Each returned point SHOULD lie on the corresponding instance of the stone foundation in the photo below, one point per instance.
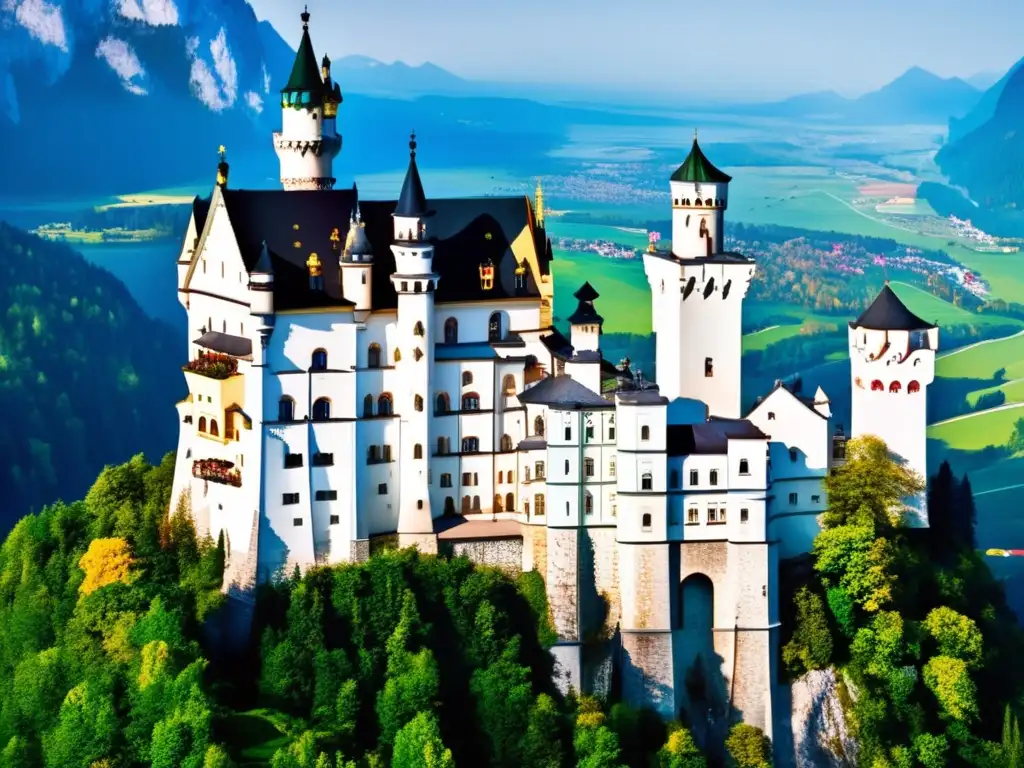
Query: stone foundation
(426, 543)
(647, 671)
(506, 554)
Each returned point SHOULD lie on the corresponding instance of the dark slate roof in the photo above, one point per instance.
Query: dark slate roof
(225, 343)
(585, 312)
(412, 201)
(698, 169)
(305, 74)
(711, 437)
(532, 443)
(563, 393)
(586, 292)
(888, 313)
(200, 210)
(557, 344)
(458, 231)
(649, 396)
(264, 264)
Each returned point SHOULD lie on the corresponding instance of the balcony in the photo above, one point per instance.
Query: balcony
(213, 366)
(217, 471)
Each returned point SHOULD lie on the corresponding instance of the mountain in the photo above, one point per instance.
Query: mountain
(984, 80)
(984, 109)
(361, 74)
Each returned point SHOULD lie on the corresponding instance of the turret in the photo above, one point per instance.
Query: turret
(261, 287)
(892, 362)
(357, 265)
(308, 140)
(700, 195)
(584, 335)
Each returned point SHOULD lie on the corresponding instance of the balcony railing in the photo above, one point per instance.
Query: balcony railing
(217, 471)
(213, 366)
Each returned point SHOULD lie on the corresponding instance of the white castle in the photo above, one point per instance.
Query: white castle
(367, 371)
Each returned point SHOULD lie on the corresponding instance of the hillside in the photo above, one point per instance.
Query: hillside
(984, 109)
(85, 376)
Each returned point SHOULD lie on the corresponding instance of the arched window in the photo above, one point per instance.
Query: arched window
(418, 329)
(510, 502)
(744, 467)
(319, 362)
(443, 446)
(368, 406)
(511, 476)
(398, 355)
(470, 445)
(373, 356)
(417, 451)
(442, 404)
(645, 432)
(417, 403)
(214, 431)
(497, 503)
(476, 503)
(588, 503)
(285, 410)
(471, 401)
(321, 409)
(538, 426)
(673, 479)
(895, 387)
(646, 482)
(202, 423)
(501, 477)
(494, 327)
(385, 405)
(449, 505)
(877, 386)
(451, 331)
(466, 502)
(508, 384)
(645, 521)
(913, 387)
(467, 378)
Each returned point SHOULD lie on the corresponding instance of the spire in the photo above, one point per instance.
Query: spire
(357, 245)
(222, 167)
(305, 76)
(263, 266)
(412, 203)
(696, 168)
(585, 313)
(540, 204)
(888, 313)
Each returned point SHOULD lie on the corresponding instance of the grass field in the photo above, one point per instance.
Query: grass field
(625, 301)
(1013, 390)
(255, 735)
(943, 313)
(977, 431)
(981, 361)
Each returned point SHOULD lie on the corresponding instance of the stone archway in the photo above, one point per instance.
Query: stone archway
(700, 684)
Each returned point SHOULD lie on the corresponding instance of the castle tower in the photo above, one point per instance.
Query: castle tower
(356, 265)
(892, 362)
(585, 334)
(697, 293)
(414, 281)
(308, 140)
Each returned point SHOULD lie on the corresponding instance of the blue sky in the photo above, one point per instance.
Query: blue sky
(733, 47)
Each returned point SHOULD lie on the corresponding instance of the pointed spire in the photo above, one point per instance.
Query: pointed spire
(222, 167)
(412, 202)
(540, 204)
(305, 76)
(696, 168)
(263, 266)
(585, 313)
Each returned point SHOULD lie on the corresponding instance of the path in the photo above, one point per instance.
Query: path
(1000, 490)
(763, 330)
(958, 350)
(1006, 407)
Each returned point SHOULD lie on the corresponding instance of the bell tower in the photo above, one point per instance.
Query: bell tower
(308, 140)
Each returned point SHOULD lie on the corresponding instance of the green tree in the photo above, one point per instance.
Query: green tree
(955, 634)
(681, 751)
(869, 488)
(418, 744)
(1011, 745)
(811, 645)
(1016, 442)
(949, 680)
(853, 558)
(749, 747)
(542, 745)
(595, 744)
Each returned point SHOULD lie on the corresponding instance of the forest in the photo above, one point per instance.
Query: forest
(86, 377)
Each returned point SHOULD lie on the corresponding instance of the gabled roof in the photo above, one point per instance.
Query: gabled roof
(710, 437)
(305, 74)
(888, 313)
(792, 388)
(696, 168)
(563, 393)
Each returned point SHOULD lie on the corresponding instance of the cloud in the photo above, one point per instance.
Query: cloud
(255, 101)
(158, 13)
(122, 59)
(266, 78)
(216, 87)
(43, 21)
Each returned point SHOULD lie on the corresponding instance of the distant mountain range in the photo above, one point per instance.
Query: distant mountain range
(984, 109)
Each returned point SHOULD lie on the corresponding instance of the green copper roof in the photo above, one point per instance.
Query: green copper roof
(698, 169)
(305, 72)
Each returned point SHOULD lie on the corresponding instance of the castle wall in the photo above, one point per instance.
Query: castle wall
(506, 554)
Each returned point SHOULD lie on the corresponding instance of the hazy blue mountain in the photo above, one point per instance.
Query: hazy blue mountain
(984, 109)
(984, 80)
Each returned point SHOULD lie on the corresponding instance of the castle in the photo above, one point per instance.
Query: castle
(369, 371)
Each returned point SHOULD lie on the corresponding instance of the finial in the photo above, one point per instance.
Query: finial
(358, 213)
(412, 144)
(305, 17)
(540, 203)
(222, 150)
(694, 135)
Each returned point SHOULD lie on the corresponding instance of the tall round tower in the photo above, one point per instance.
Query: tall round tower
(308, 140)
(892, 362)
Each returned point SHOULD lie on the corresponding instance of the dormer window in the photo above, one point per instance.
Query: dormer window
(487, 275)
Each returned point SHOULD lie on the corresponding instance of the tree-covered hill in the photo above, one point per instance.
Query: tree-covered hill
(86, 377)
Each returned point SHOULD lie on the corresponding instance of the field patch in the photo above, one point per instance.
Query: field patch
(1012, 390)
(983, 360)
(977, 431)
(887, 189)
(942, 313)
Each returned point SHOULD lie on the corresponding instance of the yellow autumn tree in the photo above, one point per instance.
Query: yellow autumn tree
(107, 561)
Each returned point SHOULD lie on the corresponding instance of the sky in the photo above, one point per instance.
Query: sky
(733, 47)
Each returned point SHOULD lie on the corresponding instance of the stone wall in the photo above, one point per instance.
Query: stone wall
(647, 671)
(506, 554)
(535, 548)
(604, 562)
(562, 581)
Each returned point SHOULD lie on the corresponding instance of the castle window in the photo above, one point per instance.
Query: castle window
(692, 516)
(588, 467)
(444, 446)
(442, 404)
(713, 477)
(567, 467)
(877, 386)
(506, 444)
(611, 433)
(214, 431)
(645, 433)
(451, 331)
(707, 201)
(417, 403)
(646, 481)
(323, 459)
(405, 286)
(476, 503)
(470, 445)
(673, 479)
(373, 356)
(816, 499)
(588, 503)
(526, 474)
(373, 454)
(792, 454)
(326, 496)
(385, 405)
(645, 521)
(382, 489)
(385, 453)
(744, 467)
(611, 468)
(466, 502)
(202, 423)
(467, 378)
(368, 406)
(590, 432)
(508, 385)
(511, 476)
(913, 388)
(335, 519)
(471, 401)
(494, 327)
(285, 412)
(568, 433)
(895, 387)
(446, 480)
(501, 477)
(417, 287)
(538, 426)
(771, 415)
(470, 478)
(398, 355)
(289, 498)
(319, 362)
(497, 503)
(417, 451)
(716, 515)
(510, 502)
(538, 505)
(418, 329)
(709, 367)
(321, 409)
(694, 477)
(223, 326)
(538, 470)
(744, 515)
(792, 498)
(418, 354)
(449, 505)
(292, 460)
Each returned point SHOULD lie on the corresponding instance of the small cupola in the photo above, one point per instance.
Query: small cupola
(357, 245)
